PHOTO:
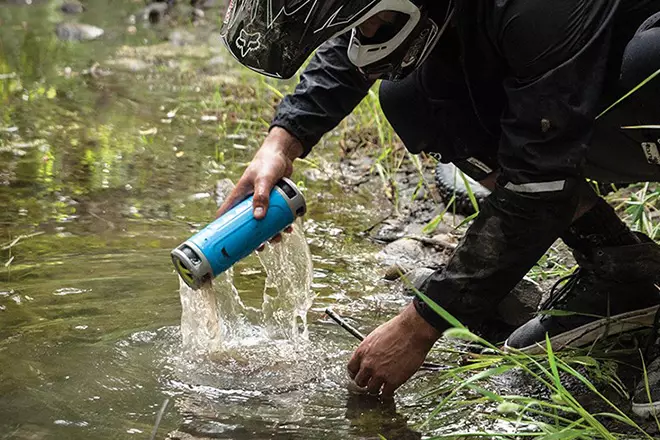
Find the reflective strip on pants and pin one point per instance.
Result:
(536, 187)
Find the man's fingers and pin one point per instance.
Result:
(262, 189)
(289, 229)
(389, 389)
(262, 247)
(362, 378)
(354, 365)
(375, 384)
(238, 194)
(276, 239)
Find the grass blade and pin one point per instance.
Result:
(624, 97)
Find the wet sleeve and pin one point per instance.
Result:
(330, 88)
(553, 91)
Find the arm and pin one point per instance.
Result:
(330, 88)
(552, 93)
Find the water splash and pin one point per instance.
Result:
(213, 315)
(289, 276)
(214, 318)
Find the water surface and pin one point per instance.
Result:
(110, 151)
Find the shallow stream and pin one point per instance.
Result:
(110, 150)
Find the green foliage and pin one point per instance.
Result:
(641, 210)
(630, 93)
(560, 417)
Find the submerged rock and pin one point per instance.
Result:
(72, 7)
(197, 14)
(404, 252)
(77, 32)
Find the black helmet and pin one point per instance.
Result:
(275, 37)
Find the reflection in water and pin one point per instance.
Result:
(367, 413)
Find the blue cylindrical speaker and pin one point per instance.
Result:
(235, 235)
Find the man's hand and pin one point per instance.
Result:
(273, 160)
(392, 353)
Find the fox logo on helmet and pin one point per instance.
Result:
(247, 42)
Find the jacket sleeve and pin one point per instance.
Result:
(330, 88)
(552, 94)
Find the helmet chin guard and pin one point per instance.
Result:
(275, 37)
(401, 54)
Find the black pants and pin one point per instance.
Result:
(431, 111)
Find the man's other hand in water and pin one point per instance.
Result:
(392, 353)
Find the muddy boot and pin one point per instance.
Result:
(611, 292)
(646, 399)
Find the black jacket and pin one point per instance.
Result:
(537, 71)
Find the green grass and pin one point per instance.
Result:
(561, 416)
(638, 205)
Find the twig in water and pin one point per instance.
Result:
(159, 417)
(427, 366)
(343, 324)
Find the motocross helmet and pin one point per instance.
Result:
(275, 37)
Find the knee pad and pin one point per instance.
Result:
(641, 58)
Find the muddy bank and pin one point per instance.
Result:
(410, 231)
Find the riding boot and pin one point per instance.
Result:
(612, 290)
